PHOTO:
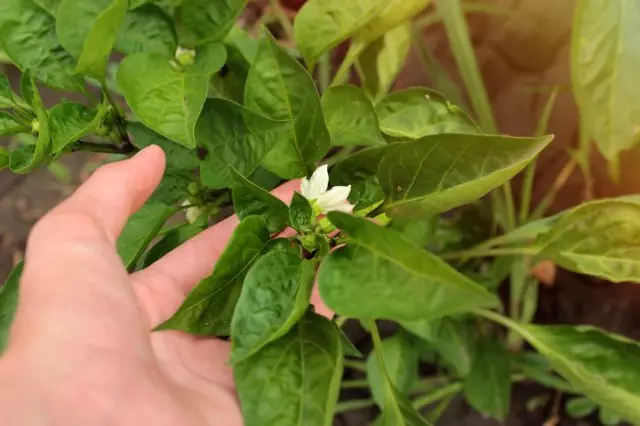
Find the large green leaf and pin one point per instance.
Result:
(395, 14)
(401, 362)
(488, 385)
(452, 339)
(235, 137)
(381, 274)
(439, 172)
(295, 380)
(28, 37)
(275, 295)
(605, 59)
(88, 30)
(147, 29)
(209, 307)
(602, 366)
(9, 303)
(323, 24)
(210, 20)
(301, 214)
(27, 157)
(417, 112)
(381, 61)
(69, 121)
(249, 199)
(9, 125)
(350, 117)
(600, 238)
(241, 52)
(280, 88)
(166, 97)
(140, 230)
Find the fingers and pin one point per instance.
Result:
(194, 260)
(72, 272)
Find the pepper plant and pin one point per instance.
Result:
(387, 179)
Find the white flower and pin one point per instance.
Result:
(333, 200)
(191, 213)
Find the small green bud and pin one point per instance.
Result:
(308, 242)
(35, 126)
(193, 188)
(325, 225)
(185, 57)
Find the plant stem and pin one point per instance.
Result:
(324, 72)
(342, 75)
(443, 392)
(377, 347)
(355, 365)
(283, 19)
(505, 251)
(341, 320)
(126, 148)
(340, 155)
(355, 384)
(527, 182)
(562, 178)
(356, 404)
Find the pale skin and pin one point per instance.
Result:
(81, 351)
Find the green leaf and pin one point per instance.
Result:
(28, 37)
(171, 240)
(609, 417)
(210, 21)
(600, 365)
(7, 97)
(4, 158)
(235, 137)
(605, 57)
(348, 346)
(417, 112)
(9, 126)
(600, 238)
(280, 88)
(350, 117)
(452, 339)
(140, 230)
(51, 6)
(178, 157)
(488, 386)
(382, 60)
(209, 307)
(301, 214)
(323, 24)
(249, 199)
(27, 157)
(381, 274)
(229, 83)
(295, 380)
(401, 361)
(275, 295)
(398, 411)
(395, 14)
(147, 29)
(69, 121)
(9, 303)
(440, 172)
(580, 406)
(166, 97)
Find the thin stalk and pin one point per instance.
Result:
(341, 320)
(355, 384)
(340, 155)
(562, 178)
(443, 392)
(469, 7)
(324, 72)
(355, 365)
(377, 347)
(505, 251)
(356, 404)
(283, 19)
(342, 75)
(527, 182)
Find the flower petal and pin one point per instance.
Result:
(305, 188)
(319, 182)
(334, 197)
(344, 208)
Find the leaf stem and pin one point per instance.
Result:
(324, 72)
(505, 251)
(443, 392)
(562, 178)
(283, 19)
(341, 320)
(356, 404)
(342, 75)
(355, 384)
(355, 365)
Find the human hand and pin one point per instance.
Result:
(81, 351)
